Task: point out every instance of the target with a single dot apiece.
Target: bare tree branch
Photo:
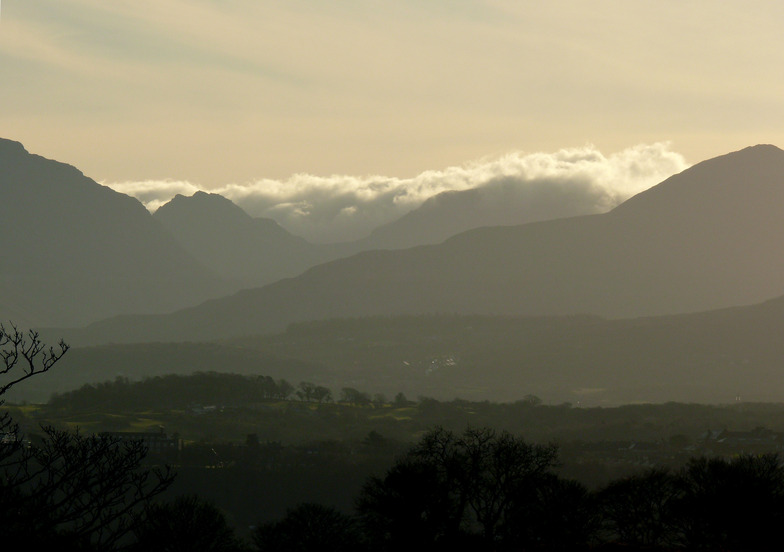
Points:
(86, 489)
(27, 353)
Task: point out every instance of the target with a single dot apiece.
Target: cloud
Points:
(154, 193)
(341, 207)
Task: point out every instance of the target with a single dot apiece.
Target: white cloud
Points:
(341, 207)
(154, 193)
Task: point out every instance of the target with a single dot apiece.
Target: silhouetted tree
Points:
(354, 396)
(731, 505)
(638, 510)
(308, 391)
(456, 486)
(554, 514)
(409, 507)
(379, 400)
(530, 400)
(84, 488)
(185, 524)
(284, 390)
(308, 527)
(401, 400)
(78, 492)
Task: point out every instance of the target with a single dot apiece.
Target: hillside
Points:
(708, 357)
(704, 239)
(76, 251)
(247, 251)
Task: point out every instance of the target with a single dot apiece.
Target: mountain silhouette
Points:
(75, 251)
(248, 251)
(707, 238)
(503, 201)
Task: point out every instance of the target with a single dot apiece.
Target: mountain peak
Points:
(757, 153)
(749, 180)
(11, 147)
(12, 154)
(201, 204)
(245, 250)
(208, 196)
(762, 147)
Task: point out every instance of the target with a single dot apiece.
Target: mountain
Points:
(501, 202)
(75, 251)
(707, 238)
(248, 251)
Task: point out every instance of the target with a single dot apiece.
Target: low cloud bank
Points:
(343, 208)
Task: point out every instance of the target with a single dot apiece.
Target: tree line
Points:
(179, 391)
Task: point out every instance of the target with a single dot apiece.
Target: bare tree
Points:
(25, 356)
(82, 489)
(66, 488)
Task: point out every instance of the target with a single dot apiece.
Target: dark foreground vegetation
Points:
(492, 491)
(406, 474)
(481, 488)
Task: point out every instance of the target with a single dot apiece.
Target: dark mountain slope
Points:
(248, 251)
(75, 251)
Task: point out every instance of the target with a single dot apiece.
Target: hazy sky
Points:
(216, 92)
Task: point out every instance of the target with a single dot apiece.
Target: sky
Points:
(279, 98)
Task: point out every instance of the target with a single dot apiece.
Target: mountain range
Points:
(82, 252)
(707, 238)
(675, 293)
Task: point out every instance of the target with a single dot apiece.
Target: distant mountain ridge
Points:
(75, 251)
(707, 238)
(248, 251)
(501, 202)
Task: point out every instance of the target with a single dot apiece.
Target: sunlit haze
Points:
(234, 92)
